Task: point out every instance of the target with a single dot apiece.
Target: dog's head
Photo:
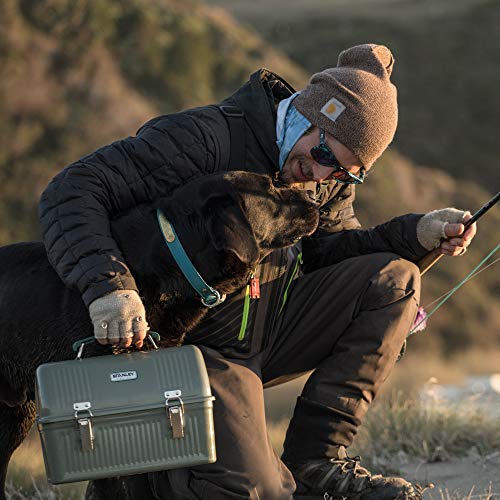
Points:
(252, 215)
(247, 214)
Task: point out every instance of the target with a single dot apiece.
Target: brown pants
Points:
(346, 322)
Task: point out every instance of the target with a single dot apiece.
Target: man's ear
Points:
(231, 231)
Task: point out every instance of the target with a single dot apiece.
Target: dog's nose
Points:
(311, 195)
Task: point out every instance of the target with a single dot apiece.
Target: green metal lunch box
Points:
(125, 414)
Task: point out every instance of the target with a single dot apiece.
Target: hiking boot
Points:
(343, 478)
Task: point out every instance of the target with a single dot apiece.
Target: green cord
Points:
(244, 320)
(453, 290)
(298, 263)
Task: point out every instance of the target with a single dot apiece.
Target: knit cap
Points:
(356, 101)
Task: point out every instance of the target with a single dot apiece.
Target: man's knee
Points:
(394, 278)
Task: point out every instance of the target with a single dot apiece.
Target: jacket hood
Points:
(257, 99)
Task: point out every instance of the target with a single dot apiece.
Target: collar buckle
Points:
(206, 301)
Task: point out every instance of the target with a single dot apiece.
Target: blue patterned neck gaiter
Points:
(290, 127)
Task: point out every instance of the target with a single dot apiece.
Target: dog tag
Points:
(254, 288)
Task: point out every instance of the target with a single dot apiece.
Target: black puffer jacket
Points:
(168, 152)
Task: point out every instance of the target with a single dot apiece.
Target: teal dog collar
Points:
(210, 297)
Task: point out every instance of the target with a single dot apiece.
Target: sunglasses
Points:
(323, 155)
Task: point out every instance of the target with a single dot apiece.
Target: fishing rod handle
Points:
(429, 259)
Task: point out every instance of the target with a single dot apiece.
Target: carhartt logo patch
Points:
(333, 109)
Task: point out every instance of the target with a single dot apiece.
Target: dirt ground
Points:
(474, 478)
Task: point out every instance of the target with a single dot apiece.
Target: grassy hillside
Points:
(447, 67)
(77, 75)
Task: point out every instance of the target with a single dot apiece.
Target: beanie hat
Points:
(355, 102)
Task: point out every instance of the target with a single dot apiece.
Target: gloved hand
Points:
(119, 317)
(445, 223)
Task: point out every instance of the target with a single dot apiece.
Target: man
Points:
(345, 314)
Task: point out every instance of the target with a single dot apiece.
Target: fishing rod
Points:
(433, 256)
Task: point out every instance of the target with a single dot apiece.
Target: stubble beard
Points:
(287, 174)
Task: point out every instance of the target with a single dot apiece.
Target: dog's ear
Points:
(231, 231)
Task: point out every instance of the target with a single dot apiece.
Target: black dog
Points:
(227, 223)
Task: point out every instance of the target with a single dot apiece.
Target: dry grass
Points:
(488, 494)
(433, 431)
(26, 478)
(40, 490)
(446, 495)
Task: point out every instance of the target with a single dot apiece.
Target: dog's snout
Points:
(307, 197)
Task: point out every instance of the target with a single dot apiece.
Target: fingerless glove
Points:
(118, 315)
(430, 228)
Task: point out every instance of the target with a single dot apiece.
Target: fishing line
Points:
(420, 321)
(473, 276)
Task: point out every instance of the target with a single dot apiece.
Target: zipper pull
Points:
(254, 287)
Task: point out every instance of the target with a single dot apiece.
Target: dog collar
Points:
(210, 297)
